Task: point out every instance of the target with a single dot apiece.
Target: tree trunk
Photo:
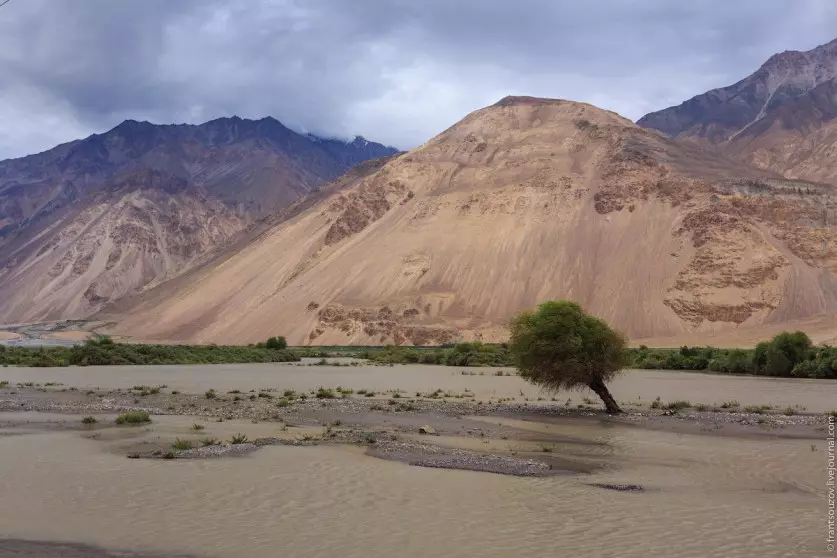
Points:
(601, 390)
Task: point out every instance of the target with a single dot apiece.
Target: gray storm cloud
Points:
(394, 71)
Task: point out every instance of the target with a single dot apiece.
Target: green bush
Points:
(276, 343)
(101, 352)
(133, 417)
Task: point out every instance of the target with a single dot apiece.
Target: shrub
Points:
(197, 426)
(276, 343)
(757, 409)
(677, 405)
(210, 394)
(89, 420)
(239, 439)
(209, 442)
(182, 445)
(323, 393)
(133, 417)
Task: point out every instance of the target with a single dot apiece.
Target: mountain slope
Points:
(525, 200)
(182, 189)
(718, 115)
(145, 227)
(797, 139)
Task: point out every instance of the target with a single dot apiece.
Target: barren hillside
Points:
(525, 200)
(147, 226)
(717, 116)
(780, 118)
(97, 219)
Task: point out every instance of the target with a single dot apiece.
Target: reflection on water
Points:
(705, 496)
(815, 395)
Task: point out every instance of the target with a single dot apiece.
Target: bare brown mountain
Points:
(146, 226)
(525, 200)
(96, 219)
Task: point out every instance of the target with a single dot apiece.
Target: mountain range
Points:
(92, 220)
(711, 218)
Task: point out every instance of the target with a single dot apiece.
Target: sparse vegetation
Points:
(104, 351)
(89, 420)
(133, 417)
(677, 405)
(732, 404)
(182, 445)
(197, 427)
(239, 439)
(757, 409)
(210, 442)
(323, 393)
(786, 355)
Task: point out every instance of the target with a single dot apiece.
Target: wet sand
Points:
(320, 487)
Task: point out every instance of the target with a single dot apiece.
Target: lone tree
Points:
(559, 346)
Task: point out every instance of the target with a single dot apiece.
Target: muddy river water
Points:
(705, 495)
(815, 395)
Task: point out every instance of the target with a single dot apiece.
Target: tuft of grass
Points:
(197, 426)
(656, 404)
(239, 439)
(4, 383)
(756, 409)
(133, 417)
(210, 442)
(832, 413)
(169, 455)
(182, 445)
(210, 394)
(89, 420)
(677, 405)
(790, 411)
(283, 403)
(234, 391)
(323, 393)
(265, 395)
(731, 404)
(701, 407)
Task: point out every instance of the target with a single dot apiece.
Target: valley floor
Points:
(364, 460)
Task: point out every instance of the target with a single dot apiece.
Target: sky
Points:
(394, 71)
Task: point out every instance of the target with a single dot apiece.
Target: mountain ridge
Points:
(524, 200)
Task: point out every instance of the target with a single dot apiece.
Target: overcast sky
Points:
(395, 71)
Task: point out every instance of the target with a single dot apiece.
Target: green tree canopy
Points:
(559, 346)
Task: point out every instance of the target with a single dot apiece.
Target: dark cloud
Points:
(395, 71)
